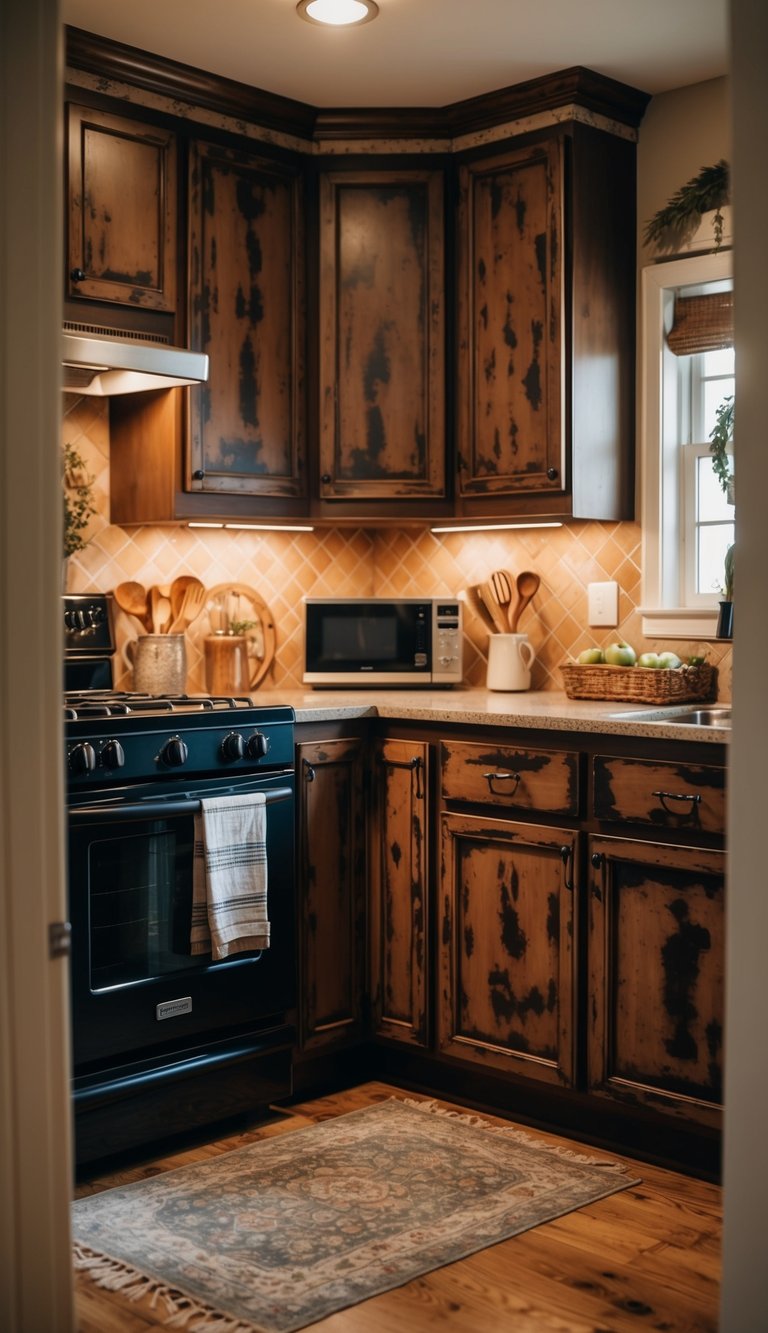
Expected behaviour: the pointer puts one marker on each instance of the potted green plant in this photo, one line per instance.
(721, 446)
(673, 225)
(725, 616)
(78, 500)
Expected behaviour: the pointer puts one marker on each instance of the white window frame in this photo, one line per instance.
(662, 548)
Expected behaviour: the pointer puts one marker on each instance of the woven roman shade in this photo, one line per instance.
(701, 323)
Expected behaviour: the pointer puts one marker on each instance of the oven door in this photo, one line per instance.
(136, 987)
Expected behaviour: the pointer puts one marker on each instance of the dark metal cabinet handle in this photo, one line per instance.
(198, 475)
(309, 772)
(77, 275)
(566, 854)
(597, 859)
(326, 479)
(502, 777)
(552, 474)
(692, 797)
(416, 766)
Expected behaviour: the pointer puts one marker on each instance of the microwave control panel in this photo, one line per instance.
(446, 643)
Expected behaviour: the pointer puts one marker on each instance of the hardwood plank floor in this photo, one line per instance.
(648, 1258)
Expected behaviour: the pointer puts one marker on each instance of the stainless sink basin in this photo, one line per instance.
(703, 716)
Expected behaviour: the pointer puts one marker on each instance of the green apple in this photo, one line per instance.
(591, 657)
(620, 654)
(649, 660)
(670, 661)
(696, 661)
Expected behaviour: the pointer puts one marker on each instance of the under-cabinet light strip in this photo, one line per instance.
(255, 527)
(495, 527)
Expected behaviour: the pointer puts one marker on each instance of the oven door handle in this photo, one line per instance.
(158, 809)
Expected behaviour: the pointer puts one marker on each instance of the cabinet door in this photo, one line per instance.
(400, 918)
(382, 431)
(510, 385)
(506, 996)
(121, 211)
(656, 954)
(331, 911)
(246, 294)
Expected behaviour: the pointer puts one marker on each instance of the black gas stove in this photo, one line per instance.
(166, 1040)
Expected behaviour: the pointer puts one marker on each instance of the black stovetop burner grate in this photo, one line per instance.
(80, 704)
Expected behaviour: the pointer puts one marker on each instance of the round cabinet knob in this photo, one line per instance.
(198, 474)
(257, 745)
(77, 275)
(82, 758)
(174, 753)
(113, 755)
(232, 747)
(552, 474)
(326, 479)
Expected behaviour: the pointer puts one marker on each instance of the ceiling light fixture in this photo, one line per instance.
(340, 13)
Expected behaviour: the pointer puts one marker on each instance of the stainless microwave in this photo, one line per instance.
(382, 641)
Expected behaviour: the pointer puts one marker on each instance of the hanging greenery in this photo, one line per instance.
(708, 191)
(721, 442)
(78, 500)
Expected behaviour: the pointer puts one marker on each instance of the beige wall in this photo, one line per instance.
(682, 131)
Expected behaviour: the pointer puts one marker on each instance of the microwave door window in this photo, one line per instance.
(357, 640)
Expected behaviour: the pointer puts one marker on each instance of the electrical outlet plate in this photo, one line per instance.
(603, 604)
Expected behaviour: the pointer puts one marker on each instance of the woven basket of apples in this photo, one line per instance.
(617, 672)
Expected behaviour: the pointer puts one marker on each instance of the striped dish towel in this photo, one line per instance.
(229, 876)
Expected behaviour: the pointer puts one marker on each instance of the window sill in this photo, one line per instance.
(679, 622)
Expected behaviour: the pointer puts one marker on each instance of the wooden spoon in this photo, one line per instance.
(478, 605)
(160, 610)
(502, 588)
(487, 595)
(192, 604)
(178, 589)
(132, 598)
(527, 587)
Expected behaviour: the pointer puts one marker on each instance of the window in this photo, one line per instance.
(687, 520)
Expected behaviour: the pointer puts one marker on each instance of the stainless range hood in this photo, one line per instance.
(102, 364)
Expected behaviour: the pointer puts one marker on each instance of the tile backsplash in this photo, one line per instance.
(282, 568)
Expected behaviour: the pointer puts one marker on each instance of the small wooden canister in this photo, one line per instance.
(227, 669)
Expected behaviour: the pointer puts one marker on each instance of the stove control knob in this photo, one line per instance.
(112, 755)
(232, 747)
(174, 753)
(257, 745)
(82, 758)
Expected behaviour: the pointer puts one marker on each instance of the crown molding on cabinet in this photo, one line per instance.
(577, 87)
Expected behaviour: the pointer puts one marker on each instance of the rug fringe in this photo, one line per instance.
(178, 1311)
(511, 1132)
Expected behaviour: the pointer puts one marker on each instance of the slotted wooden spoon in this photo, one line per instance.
(527, 587)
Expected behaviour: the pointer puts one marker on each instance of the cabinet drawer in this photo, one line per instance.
(545, 781)
(667, 795)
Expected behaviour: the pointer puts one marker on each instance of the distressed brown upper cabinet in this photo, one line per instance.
(122, 213)
(382, 429)
(546, 328)
(246, 311)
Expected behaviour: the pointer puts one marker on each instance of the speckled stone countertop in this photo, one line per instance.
(544, 710)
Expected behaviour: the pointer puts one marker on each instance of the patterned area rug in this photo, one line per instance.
(275, 1236)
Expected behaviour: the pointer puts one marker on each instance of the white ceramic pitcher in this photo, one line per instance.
(510, 657)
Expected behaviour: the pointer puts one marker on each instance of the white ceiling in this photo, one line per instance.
(422, 52)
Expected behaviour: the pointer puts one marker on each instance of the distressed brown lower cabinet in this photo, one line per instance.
(400, 910)
(331, 908)
(656, 976)
(507, 927)
(545, 923)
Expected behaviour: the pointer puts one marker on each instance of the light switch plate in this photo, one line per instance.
(603, 604)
